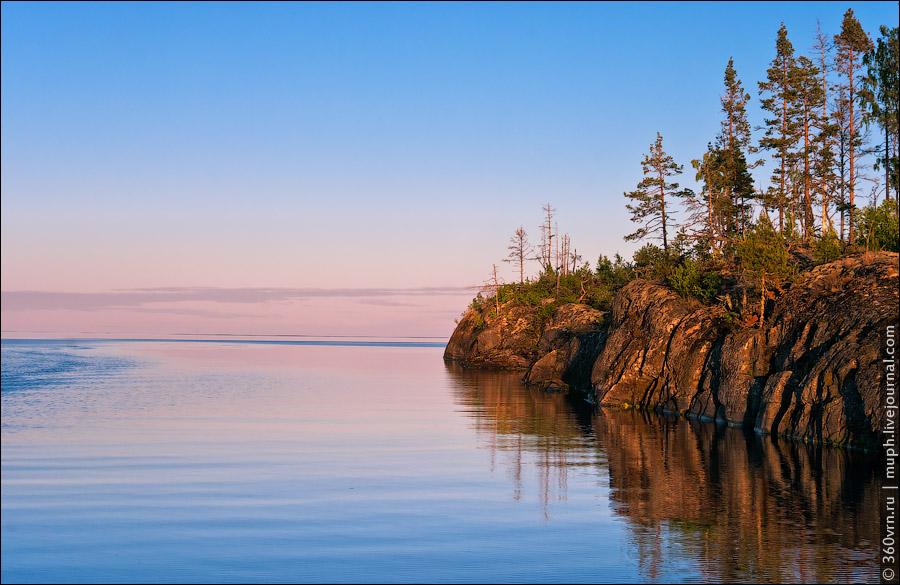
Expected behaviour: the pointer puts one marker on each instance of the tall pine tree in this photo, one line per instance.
(723, 205)
(780, 128)
(734, 143)
(882, 100)
(823, 144)
(852, 43)
(808, 95)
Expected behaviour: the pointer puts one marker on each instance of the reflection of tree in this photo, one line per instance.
(740, 506)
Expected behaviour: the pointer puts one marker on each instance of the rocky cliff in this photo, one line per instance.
(814, 372)
(557, 351)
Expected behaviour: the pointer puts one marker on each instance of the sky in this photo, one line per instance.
(346, 169)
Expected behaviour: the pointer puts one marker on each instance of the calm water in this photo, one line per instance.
(143, 461)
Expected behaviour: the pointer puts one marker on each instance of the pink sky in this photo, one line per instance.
(236, 311)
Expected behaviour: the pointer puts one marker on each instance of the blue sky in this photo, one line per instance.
(348, 145)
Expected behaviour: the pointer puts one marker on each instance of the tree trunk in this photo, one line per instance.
(807, 200)
(730, 179)
(662, 209)
(843, 157)
(762, 300)
(887, 164)
(852, 146)
(825, 145)
(842, 223)
(522, 266)
(783, 146)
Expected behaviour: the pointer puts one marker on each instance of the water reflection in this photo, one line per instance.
(728, 505)
(523, 426)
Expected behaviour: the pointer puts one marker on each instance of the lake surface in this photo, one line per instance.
(209, 461)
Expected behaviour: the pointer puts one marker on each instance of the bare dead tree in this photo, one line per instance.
(556, 248)
(576, 259)
(519, 251)
(547, 237)
(565, 255)
(492, 287)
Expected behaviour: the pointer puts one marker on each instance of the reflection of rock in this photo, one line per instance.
(740, 506)
(523, 424)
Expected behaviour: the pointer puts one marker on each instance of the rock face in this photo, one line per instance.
(557, 352)
(828, 345)
(658, 350)
(814, 372)
(568, 348)
(505, 341)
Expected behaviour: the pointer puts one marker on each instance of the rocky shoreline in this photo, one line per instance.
(814, 372)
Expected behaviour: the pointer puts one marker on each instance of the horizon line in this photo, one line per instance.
(198, 334)
(299, 342)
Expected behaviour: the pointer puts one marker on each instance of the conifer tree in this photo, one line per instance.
(735, 127)
(780, 128)
(840, 116)
(882, 100)
(852, 43)
(808, 95)
(705, 209)
(723, 208)
(648, 201)
(823, 144)
(743, 190)
(734, 145)
(763, 258)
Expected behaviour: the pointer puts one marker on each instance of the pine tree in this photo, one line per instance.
(734, 145)
(763, 259)
(735, 127)
(882, 101)
(852, 43)
(648, 207)
(705, 209)
(743, 190)
(780, 135)
(808, 95)
(723, 207)
(840, 116)
(823, 143)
